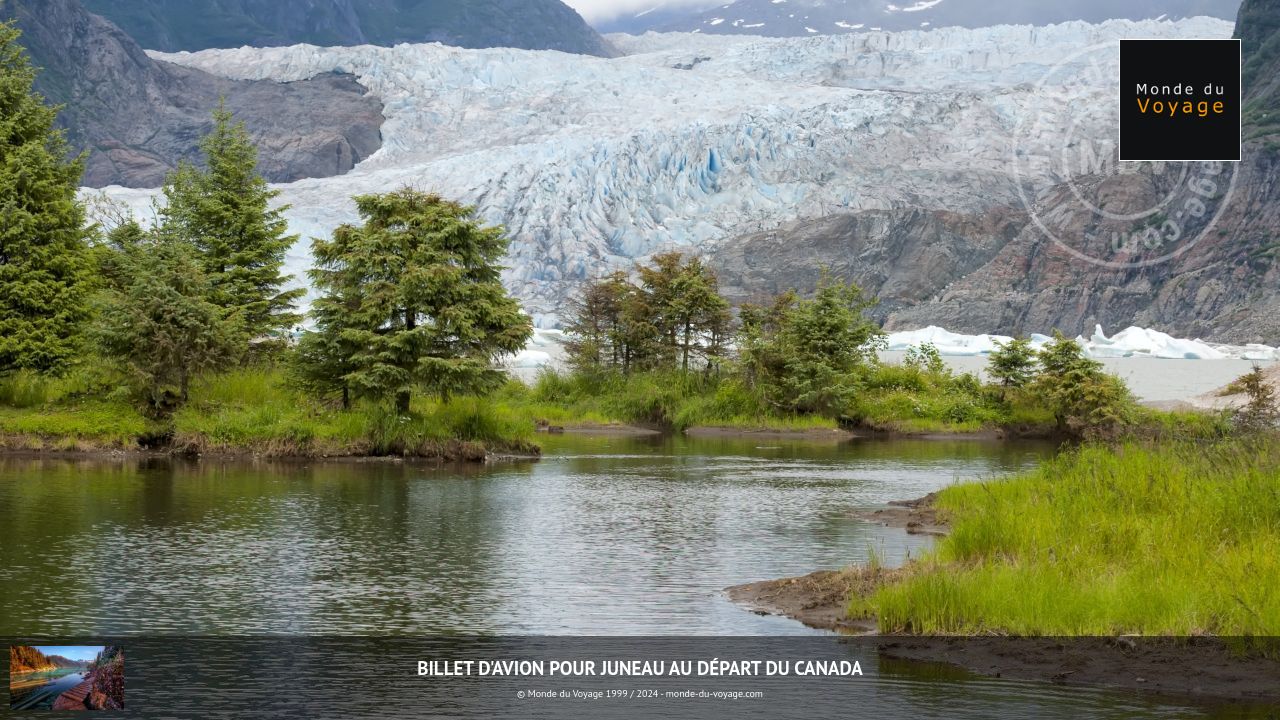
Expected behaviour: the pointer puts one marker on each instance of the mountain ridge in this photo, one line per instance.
(801, 18)
(138, 117)
(192, 25)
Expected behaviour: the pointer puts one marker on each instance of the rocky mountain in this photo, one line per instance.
(659, 14)
(798, 18)
(1219, 278)
(693, 141)
(173, 25)
(898, 256)
(138, 117)
(65, 662)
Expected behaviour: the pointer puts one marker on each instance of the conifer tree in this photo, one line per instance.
(157, 321)
(422, 299)
(43, 251)
(1013, 364)
(224, 211)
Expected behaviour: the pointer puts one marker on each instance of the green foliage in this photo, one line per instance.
(665, 398)
(1085, 401)
(925, 357)
(915, 398)
(261, 410)
(160, 325)
(1013, 364)
(806, 354)
(43, 250)
(1171, 539)
(416, 294)
(675, 317)
(610, 327)
(685, 308)
(224, 211)
(1260, 411)
(324, 357)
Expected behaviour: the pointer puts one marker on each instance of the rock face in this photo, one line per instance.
(174, 25)
(138, 117)
(898, 256)
(801, 18)
(1224, 286)
(594, 164)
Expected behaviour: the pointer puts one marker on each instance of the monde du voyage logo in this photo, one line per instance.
(1150, 192)
(1180, 100)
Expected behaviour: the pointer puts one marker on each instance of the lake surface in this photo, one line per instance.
(38, 690)
(1153, 380)
(603, 537)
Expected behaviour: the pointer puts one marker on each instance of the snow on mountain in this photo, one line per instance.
(592, 163)
(799, 18)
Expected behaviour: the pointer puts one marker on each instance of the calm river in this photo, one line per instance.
(602, 537)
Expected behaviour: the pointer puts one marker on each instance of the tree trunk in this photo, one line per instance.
(684, 363)
(402, 402)
(346, 398)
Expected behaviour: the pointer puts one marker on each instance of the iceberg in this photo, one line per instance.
(1130, 342)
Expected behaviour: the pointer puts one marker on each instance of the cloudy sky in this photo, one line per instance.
(596, 10)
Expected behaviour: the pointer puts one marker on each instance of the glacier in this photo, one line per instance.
(687, 140)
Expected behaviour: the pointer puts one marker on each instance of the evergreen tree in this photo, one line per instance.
(1013, 364)
(1085, 400)
(224, 211)
(806, 354)
(159, 324)
(686, 309)
(593, 332)
(325, 356)
(43, 251)
(427, 305)
(1260, 411)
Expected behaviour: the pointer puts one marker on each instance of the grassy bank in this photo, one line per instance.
(669, 400)
(251, 411)
(891, 399)
(1171, 539)
(257, 411)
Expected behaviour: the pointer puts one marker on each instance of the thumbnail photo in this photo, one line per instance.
(66, 677)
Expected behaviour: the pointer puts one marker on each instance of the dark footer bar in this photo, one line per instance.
(686, 677)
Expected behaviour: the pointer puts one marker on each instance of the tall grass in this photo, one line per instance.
(256, 408)
(1176, 539)
(251, 410)
(669, 399)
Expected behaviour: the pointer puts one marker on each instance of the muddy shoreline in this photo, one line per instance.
(1209, 669)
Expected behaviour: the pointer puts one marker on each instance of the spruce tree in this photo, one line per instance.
(1013, 364)
(420, 291)
(224, 211)
(686, 308)
(43, 251)
(157, 322)
(325, 355)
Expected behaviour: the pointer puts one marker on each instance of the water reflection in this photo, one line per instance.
(604, 536)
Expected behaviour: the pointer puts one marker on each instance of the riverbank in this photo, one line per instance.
(1159, 562)
(1210, 668)
(255, 413)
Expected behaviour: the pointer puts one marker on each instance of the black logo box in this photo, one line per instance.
(1191, 66)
